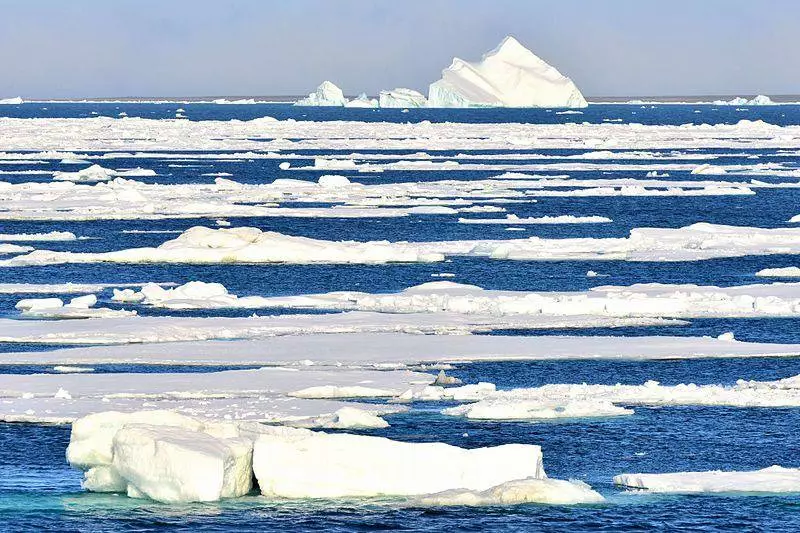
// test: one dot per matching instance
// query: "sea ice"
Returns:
(531, 490)
(508, 76)
(772, 479)
(785, 272)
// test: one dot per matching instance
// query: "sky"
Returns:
(106, 48)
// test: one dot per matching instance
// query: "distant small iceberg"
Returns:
(11, 101)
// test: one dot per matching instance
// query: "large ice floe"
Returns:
(641, 300)
(383, 350)
(174, 329)
(251, 245)
(327, 94)
(772, 479)
(305, 395)
(78, 307)
(508, 76)
(173, 458)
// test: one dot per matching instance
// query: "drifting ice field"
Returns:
(621, 281)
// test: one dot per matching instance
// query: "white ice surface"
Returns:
(173, 329)
(531, 490)
(269, 134)
(772, 479)
(560, 219)
(264, 394)
(582, 400)
(37, 237)
(318, 465)
(785, 272)
(398, 349)
(640, 300)
(508, 76)
(250, 245)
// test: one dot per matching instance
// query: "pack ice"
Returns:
(169, 457)
(508, 76)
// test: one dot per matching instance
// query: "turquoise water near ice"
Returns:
(39, 492)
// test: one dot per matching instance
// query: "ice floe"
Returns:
(78, 307)
(785, 272)
(640, 300)
(772, 479)
(106, 330)
(560, 219)
(264, 395)
(38, 237)
(250, 245)
(508, 76)
(393, 349)
(583, 400)
(11, 101)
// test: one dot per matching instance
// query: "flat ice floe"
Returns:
(136, 329)
(397, 350)
(250, 245)
(265, 395)
(772, 479)
(785, 272)
(78, 307)
(514, 220)
(640, 300)
(582, 400)
(38, 237)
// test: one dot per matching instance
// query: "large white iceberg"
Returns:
(327, 94)
(772, 479)
(319, 465)
(508, 76)
(169, 457)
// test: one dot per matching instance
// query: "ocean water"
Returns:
(38, 491)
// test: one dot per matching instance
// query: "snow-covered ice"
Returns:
(250, 245)
(508, 76)
(784, 272)
(772, 479)
(583, 400)
(397, 349)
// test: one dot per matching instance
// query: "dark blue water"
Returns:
(596, 113)
(39, 492)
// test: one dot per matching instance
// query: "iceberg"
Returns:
(402, 98)
(319, 465)
(327, 94)
(739, 101)
(773, 479)
(11, 101)
(508, 76)
(174, 458)
(362, 100)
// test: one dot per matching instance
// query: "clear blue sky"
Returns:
(84, 48)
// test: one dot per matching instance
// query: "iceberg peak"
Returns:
(510, 75)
